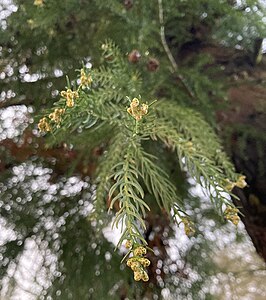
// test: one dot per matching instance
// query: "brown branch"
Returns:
(64, 157)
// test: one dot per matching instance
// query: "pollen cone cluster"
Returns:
(85, 79)
(240, 183)
(56, 115)
(231, 214)
(137, 110)
(44, 125)
(70, 96)
(188, 226)
(138, 262)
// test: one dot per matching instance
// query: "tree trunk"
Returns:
(243, 127)
(247, 148)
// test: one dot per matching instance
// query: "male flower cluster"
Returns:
(230, 214)
(44, 125)
(138, 262)
(70, 96)
(85, 79)
(137, 110)
(56, 115)
(188, 226)
(241, 183)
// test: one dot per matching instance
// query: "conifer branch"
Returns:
(169, 53)
(157, 182)
(205, 171)
(129, 194)
(98, 105)
(198, 132)
(112, 157)
(163, 39)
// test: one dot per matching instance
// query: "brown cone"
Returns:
(134, 56)
(153, 65)
(128, 4)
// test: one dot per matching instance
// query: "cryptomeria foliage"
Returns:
(146, 103)
(128, 168)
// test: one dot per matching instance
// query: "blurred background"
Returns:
(50, 246)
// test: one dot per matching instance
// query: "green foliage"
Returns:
(130, 198)
(138, 169)
(45, 47)
(157, 181)
(126, 161)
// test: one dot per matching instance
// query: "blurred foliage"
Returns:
(49, 237)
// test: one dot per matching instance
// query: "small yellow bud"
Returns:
(229, 185)
(128, 244)
(145, 262)
(137, 111)
(38, 2)
(139, 251)
(241, 183)
(135, 266)
(141, 260)
(144, 108)
(64, 94)
(145, 277)
(75, 94)
(138, 117)
(235, 220)
(56, 115)
(137, 262)
(130, 261)
(143, 250)
(85, 80)
(44, 126)
(69, 102)
(69, 95)
(134, 103)
(231, 214)
(188, 226)
(137, 276)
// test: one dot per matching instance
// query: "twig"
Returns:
(162, 32)
(167, 50)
